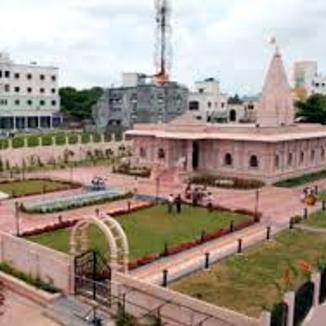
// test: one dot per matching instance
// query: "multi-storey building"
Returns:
(308, 80)
(139, 101)
(29, 96)
(207, 103)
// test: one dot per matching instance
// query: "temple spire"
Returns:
(276, 104)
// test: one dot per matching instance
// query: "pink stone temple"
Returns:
(273, 149)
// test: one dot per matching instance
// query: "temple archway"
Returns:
(118, 247)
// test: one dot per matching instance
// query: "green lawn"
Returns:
(316, 220)
(29, 187)
(254, 280)
(148, 230)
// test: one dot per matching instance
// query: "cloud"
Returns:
(93, 42)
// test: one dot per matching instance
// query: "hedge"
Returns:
(46, 140)
(33, 141)
(73, 139)
(60, 139)
(4, 143)
(85, 138)
(18, 142)
(36, 282)
(96, 138)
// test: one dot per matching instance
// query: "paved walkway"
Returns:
(278, 206)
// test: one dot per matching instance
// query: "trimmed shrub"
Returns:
(73, 139)
(36, 282)
(85, 138)
(4, 143)
(60, 139)
(46, 140)
(96, 138)
(32, 141)
(18, 142)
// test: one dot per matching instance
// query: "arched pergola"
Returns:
(118, 246)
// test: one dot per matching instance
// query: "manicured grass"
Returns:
(255, 280)
(300, 181)
(316, 220)
(148, 230)
(29, 187)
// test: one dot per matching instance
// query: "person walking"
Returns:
(178, 203)
(170, 203)
(210, 202)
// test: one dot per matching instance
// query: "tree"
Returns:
(313, 109)
(78, 104)
(234, 100)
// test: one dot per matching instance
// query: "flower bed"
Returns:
(45, 190)
(222, 182)
(72, 202)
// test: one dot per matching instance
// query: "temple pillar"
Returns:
(189, 156)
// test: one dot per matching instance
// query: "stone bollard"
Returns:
(323, 205)
(305, 213)
(291, 223)
(268, 233)
(289, 299)
(207, 260)
(165, 278)
(232, 227)
(239, 246)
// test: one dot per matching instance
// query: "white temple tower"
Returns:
(275, 106)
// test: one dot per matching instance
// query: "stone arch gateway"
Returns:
(117, 241)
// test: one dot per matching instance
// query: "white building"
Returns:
(308, 79)
(29, 96)
(207, 102)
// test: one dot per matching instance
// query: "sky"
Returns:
(93, 42)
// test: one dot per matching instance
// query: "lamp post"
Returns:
(256, 204)
(17, 218)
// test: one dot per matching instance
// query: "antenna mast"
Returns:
(163, 41)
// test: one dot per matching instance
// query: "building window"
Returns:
(17, 89)
(193, 106)
(253, 163)
(312, 156)
(29, 102)
(17, 75)
(290, 159)
(29, 76)
(142, 152)
(322, 153)
(277, 162)
(54, 103)
(42, 90)
(161, 154)
(209, 104)
(7, 88)
(228, 161)
(7, 74)
(53, 90)
(42, 77)
(53, 78)
(42, 102)
(17, 102)
(0, 73)
(301, 157)
(29, 90)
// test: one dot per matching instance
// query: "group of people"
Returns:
(199, 195)
(309, 195)
(174, 200)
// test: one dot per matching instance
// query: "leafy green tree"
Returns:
(78, 104)
(313, 109)
(234, 100)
